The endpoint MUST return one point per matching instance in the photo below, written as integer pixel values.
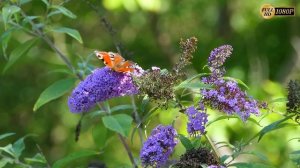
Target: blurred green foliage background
(266, 55)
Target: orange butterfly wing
(115, 61)
(105, 57)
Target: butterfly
(115, 61)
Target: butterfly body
(115, 61)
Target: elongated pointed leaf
(7, 11)
(224, 117)
(185, 142)
(71, 32)
(250, 165)
(54, 91)
(66, 161)
(121, 107)
(6, 135)
(64, 11)
(119, 123)
(18, 52)
(38, 158)
(18, 147)
(271, 127)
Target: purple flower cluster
(197, 120)
(215, 166)
(226, 95)
(102, 84)
(159, 146)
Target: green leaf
(65, 162)
(144, 103)
(38, 158)
(185, 142)
(273, 126)
(236, 80)
(64, 11)
(54, 91)
(7, 11)
(5, 37)
(19, 51)
(250, 165)
(4, 161)
(100, 135)
(194, 85)
(224, 158)
(223, 117)
(119, 123)
(71, 32)
(2, 136)
(46, 3)
(121, 107)
(295, 157)
(192, 78)
(257, 154)
(281, 99)
(8, 149)
(18, 147)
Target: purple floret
(228, 97)
(197, 120)
(102, 84)
(159, 146)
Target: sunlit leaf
(64, 11)
(257, 154)
(251, 165)
(7, 11)
(38, 158)
(194, 85)
(54, 91)
(279, 100)
(119, 123)
(18, 147)
(224, 117)
(4, 161)
(295, 157)
(121, 107)
(2, 136)
(185, 142)
(18, 52)
(65, 162)
(224, 158)
(273, 126)
(71, 32)
(8, 149)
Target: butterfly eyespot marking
(115, 61)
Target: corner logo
(268, 11)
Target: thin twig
(215, 150)
(137, 118)
(50, 43)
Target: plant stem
(127, 150)
(50, 43)
(137, 119)
(215, 151)
(129, 153)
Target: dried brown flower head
(195, 157)
(159, 84)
